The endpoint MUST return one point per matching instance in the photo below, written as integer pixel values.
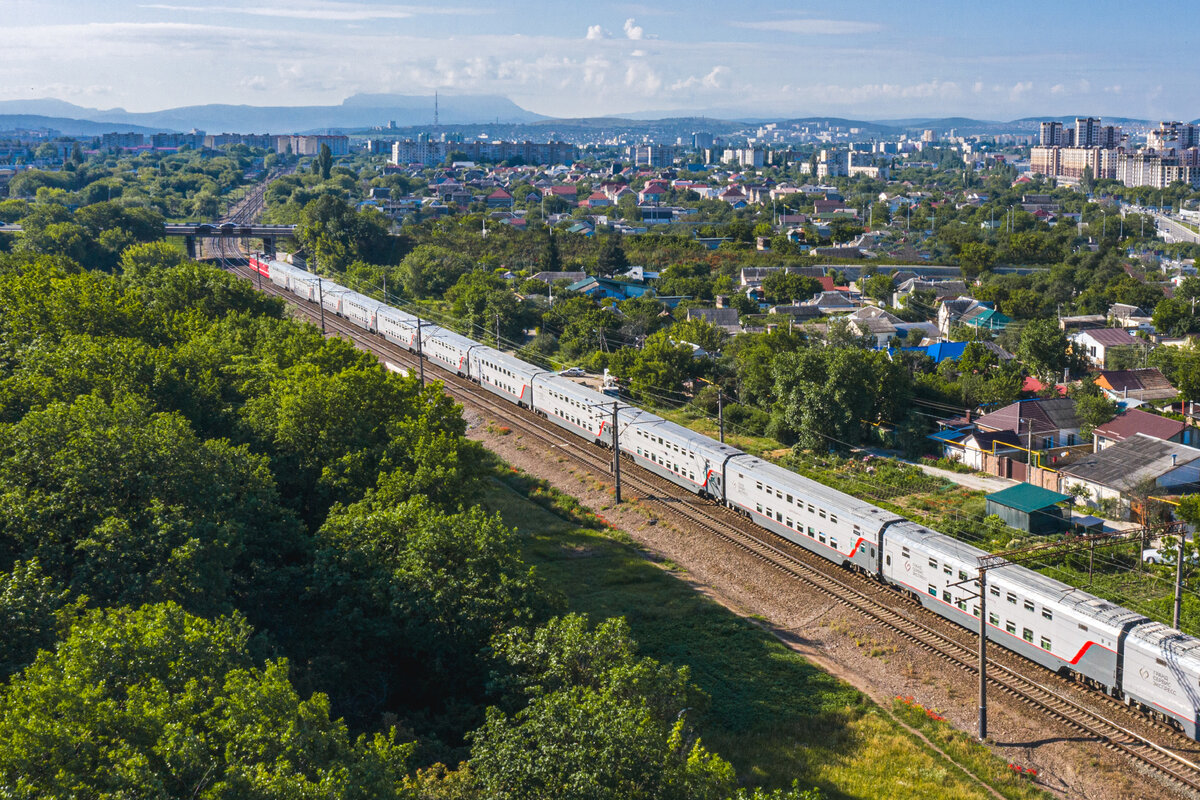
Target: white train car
(332, 296)
(502, 374)
(282, 274)
(361, 310)
(1047, 621)
(575, 408)
(447, 349)
(679, 454)
(397, 326)
(830, 523)
(1162, 673)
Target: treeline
(238, 559)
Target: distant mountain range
(359, 111)
(363, 112)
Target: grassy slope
(774, 715)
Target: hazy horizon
(874, 60)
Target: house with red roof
(499, 199)
(597, 200)
(1135, 421)
(1097, 343)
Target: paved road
(1177, 232)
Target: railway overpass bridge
(192, 232)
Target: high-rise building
(1087, 132)
(1173, 136)
(1051, 135)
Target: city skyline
(873, 60)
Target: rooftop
(1027, 497)
(1128, 463)
(1134, 422)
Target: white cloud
(1019, 90)
(597, 32)
(977, 87)
(879, 92)
(633, 31)
(816, 27)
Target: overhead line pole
(420, 353)
(616, 454)
(321, 303)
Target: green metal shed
(1029, 508)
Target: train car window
(995, 591)
(821, 513)
(904, 552)
(833, 543)
(975, 611)
(962, 575)
(1027, 634)
(789, 498)
(1010, 626)
(789, 523)
(962, 605)
(779, 516)
(933, 563)
(758, 485)
(1160, 662)
(946, 568)
(933, 590)
(993, 619)
(1047, 613)
(1029, 605)
(887, 560)
(810, 531)
(821, 538)
(779, 494)
(1082, 627)
(759, 505)
(946, 595)
(833, 519)
(810, 508)
(769, 512)
(1012, 598)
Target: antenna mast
(436, 124)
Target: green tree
(599, 723)
(612, 256)
(324, 161)
(880, 287)
(32, 610)
(127, 506)
(552, 260)
(781, 286)
(336, 234)
(1044, 348)
(157, 703)
(976, 258)
(429, 270)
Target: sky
(872, 59)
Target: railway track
(1156, 746)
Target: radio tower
(435, 111)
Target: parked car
(572, 372)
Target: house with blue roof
(597, 287)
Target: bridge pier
(268, 243)
(189, 242)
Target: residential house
(1082, 322)
(597, 200)
(797, 313)
(597, 287)
(1096, 344)
(941, 290)
(552, 277)
(1124, 315)
(1039, 424)
(952, 351)
(1133, 465)
(734, 196)
(1136, 384)
(499, 199)
(566, 193)
(881, 326)
(969, 446)
(724, 318)
(831, 302)
(1134, 422)
(969, 311)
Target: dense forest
(242, 560)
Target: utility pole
(258, 269)
(497, 330)
(982, 654)
(420, 354)
(1178, 582)
(616, 454)
(721, 413)
(321, 303)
